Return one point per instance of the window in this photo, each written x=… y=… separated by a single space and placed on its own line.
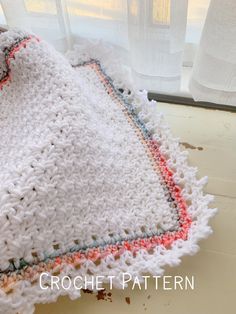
x=41 y=6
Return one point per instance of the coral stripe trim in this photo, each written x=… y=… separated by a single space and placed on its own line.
x=97 y=253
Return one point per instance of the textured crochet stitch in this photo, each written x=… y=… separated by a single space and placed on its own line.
x=92 y=180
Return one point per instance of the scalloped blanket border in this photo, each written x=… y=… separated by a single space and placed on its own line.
x=157 y=254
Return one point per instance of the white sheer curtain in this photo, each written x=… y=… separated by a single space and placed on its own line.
x=149 y=34
x=47 y=18
x=214 y=73
x=156 y=36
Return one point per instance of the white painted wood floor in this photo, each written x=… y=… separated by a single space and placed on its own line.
x=210 y=138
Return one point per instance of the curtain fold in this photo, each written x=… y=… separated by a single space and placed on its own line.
x=15 y=13
x=156 y=36
x=46 y=18
x=214 y=71
x=149 y=35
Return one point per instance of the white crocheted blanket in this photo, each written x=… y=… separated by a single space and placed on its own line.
x=92 y=181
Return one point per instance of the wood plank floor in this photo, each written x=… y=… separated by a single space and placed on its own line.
x=210 y=138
